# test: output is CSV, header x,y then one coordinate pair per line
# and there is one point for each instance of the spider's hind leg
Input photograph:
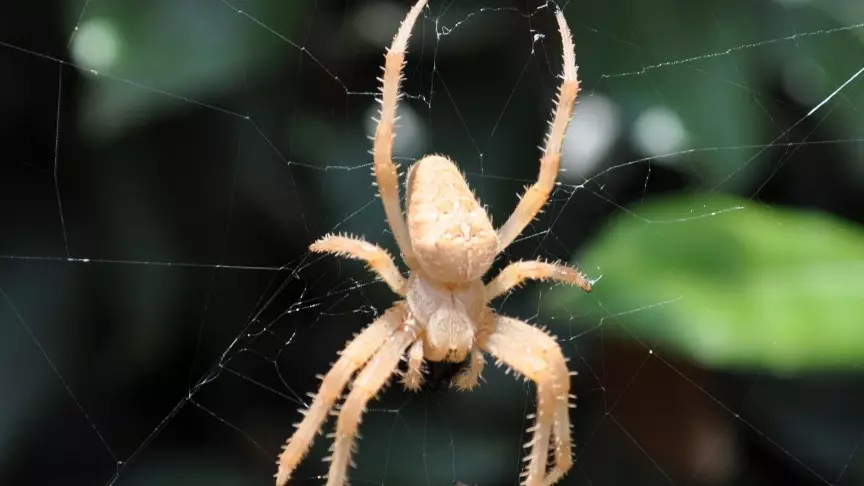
x,y
536,195
385,171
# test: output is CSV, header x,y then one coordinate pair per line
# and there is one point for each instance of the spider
x,y
448,243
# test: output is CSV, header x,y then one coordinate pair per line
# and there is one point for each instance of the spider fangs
x,y
448,244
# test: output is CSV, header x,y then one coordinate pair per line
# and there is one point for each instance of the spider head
x,y
451,234
449,335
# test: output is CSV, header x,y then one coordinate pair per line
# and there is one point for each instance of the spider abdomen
x,y
451,234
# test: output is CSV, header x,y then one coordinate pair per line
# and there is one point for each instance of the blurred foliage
x,y
185,49
730,284
715,71
692,63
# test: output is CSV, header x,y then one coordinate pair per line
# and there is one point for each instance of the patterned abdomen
x,y
453,239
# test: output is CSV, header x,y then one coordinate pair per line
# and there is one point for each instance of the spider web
x,y
167,164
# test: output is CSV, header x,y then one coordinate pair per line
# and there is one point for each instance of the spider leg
x,y
562,445
516,273
537,356
377,258
413,378
385,170
354,356
368,383
469,379
535,197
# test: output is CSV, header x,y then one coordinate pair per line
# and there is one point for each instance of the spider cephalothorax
x,y
448,244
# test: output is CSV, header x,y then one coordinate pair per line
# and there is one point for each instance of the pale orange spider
x,y
448,244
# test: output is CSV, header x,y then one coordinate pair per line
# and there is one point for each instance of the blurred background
x,y
166,163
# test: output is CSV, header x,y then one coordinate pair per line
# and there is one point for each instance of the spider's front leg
x,y
353,357
536,355
368,383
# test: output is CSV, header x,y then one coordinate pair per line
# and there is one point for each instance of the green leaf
x,y
729,283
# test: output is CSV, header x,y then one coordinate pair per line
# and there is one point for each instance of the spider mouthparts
x,y
440,374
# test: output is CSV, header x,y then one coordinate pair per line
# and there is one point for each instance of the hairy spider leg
x,y
517,273
368,383
537,356
353,357
537,195
386,173
376,258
